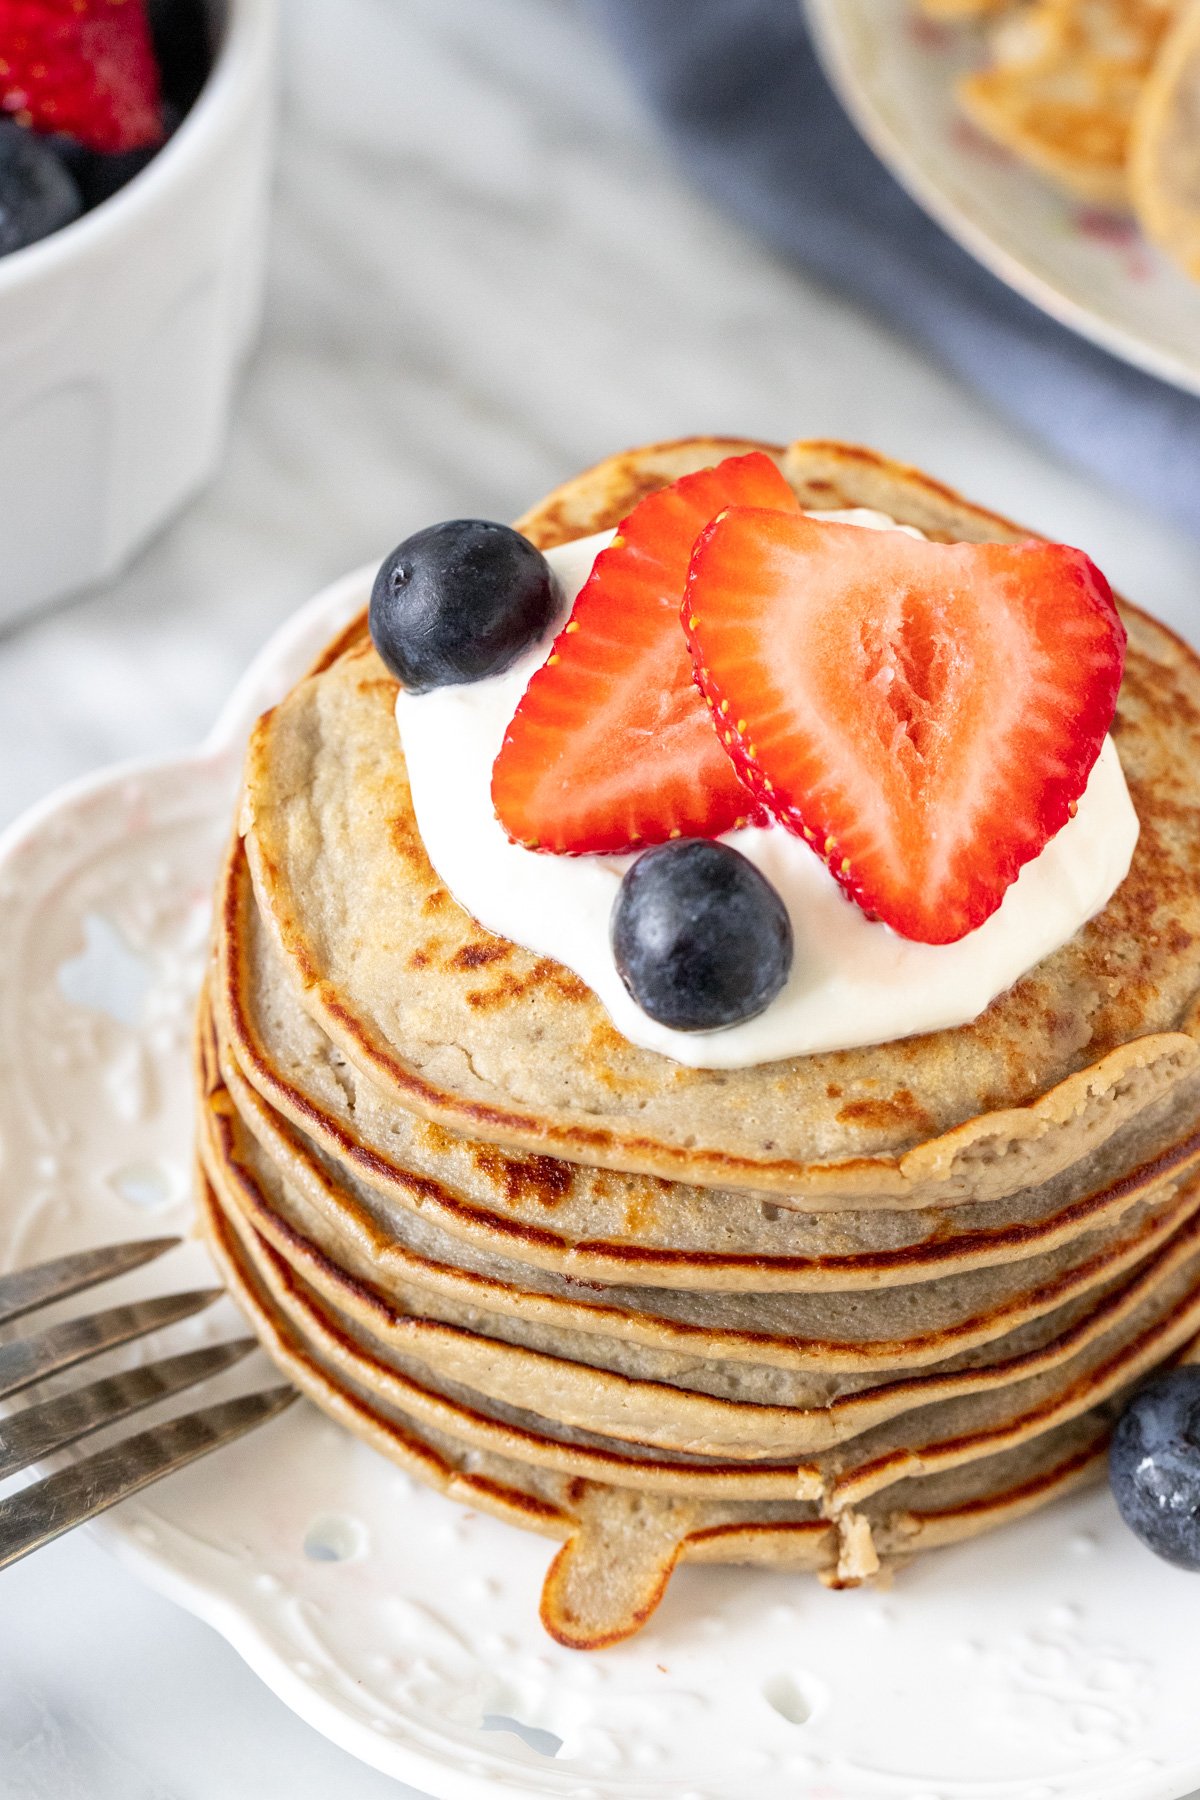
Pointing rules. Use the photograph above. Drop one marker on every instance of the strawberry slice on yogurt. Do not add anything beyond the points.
(925, 715)
(612, 747)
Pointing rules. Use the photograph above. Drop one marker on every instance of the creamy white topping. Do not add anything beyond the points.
(853, 981)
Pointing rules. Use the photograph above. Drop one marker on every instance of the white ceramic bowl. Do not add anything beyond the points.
(121, 336)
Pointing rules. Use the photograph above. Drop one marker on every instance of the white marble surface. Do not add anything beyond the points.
(484, 275)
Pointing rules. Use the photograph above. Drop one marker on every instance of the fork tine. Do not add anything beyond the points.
(65, 1275)
(39, 1513)
(27, 1360)
(37, 1431)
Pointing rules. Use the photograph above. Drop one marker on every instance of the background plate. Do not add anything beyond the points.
(1092, 270)
(1054, 1661)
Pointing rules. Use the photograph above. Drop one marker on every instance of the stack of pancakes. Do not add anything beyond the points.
(821, 1313)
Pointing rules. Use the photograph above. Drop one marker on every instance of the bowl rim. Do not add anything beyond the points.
(243, 52)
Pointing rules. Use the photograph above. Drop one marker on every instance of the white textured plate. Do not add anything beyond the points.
(1088, 268)
(1053, 1660)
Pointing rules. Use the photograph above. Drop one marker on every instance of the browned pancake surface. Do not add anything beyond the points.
(478, 1033)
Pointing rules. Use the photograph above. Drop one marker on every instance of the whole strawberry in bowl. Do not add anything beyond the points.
(87, 69)
(134, 157)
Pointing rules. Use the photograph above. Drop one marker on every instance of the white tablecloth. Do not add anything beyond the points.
(484, 276)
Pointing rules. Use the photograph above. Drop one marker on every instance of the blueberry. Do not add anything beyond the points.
(701, 939)
(460, 601)
(99, 174)
(37, 195)
(1154, 1466)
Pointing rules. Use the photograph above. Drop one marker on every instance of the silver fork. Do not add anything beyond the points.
(37, 1514)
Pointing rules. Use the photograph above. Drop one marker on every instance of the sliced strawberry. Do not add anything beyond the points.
(85, 67)
(612, 746)
(926, 715)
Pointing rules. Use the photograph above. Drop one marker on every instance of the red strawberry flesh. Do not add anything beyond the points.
(612, 747)
(84, 67)
(925, 714)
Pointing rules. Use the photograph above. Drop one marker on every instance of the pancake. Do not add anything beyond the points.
(622, 1545)
(1146, 1312)
(964, 9)
(593, 1225)
(1164, 163)
(605, 1403)
(815, 1334)
(1064, 87)
(482, 1037)
(664, 1334)
(496, 1427)
(820, 1314)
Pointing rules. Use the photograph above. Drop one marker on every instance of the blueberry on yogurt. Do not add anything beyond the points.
(701, 939)
(460, 601)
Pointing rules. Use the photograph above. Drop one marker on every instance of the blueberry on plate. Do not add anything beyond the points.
(460, 601)
(1154, 1466)
(701, 939)
(37, 195)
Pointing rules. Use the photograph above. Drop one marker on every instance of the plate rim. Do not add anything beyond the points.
(434, 1778)
(825, 22)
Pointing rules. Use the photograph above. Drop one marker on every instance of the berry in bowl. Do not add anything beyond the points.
(89, 93)
(135, 142)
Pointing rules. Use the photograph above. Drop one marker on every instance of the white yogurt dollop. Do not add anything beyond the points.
(852, 982)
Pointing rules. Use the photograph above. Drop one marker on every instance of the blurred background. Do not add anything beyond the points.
(486, 272)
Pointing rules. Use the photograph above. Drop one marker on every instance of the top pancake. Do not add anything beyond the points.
(485, 1037)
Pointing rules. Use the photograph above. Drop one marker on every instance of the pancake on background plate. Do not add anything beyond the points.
(1100, 96)
(1164, 166)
